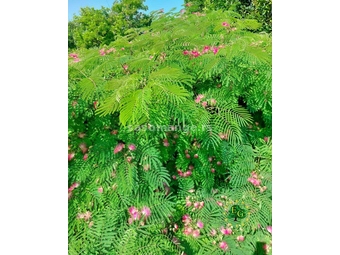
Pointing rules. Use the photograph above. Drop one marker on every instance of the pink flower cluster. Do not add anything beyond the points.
(223, 245)
(269, 228)
(184, 174)
(199, 97)
(86, 216)
(190, 228)
(71, 188)
(206, 49)
(226, 231)
(71, 156)
(83, 148)
(118, 148)
(197, 205)
(166, 142)
(132, 147)
(254, 179)
(223, 136)
(240, 238)
(225, 24)
(103, 52)
(75, 57)
(135, 214)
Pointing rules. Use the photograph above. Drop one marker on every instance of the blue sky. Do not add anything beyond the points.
(75, 5)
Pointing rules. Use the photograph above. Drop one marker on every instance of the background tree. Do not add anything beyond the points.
(126, 14)
(95, 28)
(92, 27)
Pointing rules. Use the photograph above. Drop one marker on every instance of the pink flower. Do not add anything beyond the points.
(266, 247)
(85, 156)
(114, 132)
(146, 167)
(254, 181)
(95, 104)
(166, 143)
(240, 238)
(187, 231)
(118, 148)
(219, 203)
(262, 189)
(195, 53)
(134, 213)
(102, 52)
(132, 147)
(186, 219)
(212, 170)
(188, 203)
(83, 147)
(204, 103)
(223, 245)
(185, 52)
(196, 233)
(269, 228)
(80, 216)
(129, 159)
(100, 189)
(226, 231)
(200, 224)
(201, 204)
(132, 210)
(123, 49)
(151, 57)
(206, 49)
(225, 24)
(71, 156)
(213, 232)
(76, 60)
(213, 101)
(146, 211)
(254, 174)
(73, 55)
(125, 67)
(198, 98)
(266, 139)
(73, 186)
(215, 50)
(87, 215)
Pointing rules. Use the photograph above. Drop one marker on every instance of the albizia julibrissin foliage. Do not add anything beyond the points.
(169, 127)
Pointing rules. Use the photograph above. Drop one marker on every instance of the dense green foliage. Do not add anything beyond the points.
(169, 128)
(259, 9)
